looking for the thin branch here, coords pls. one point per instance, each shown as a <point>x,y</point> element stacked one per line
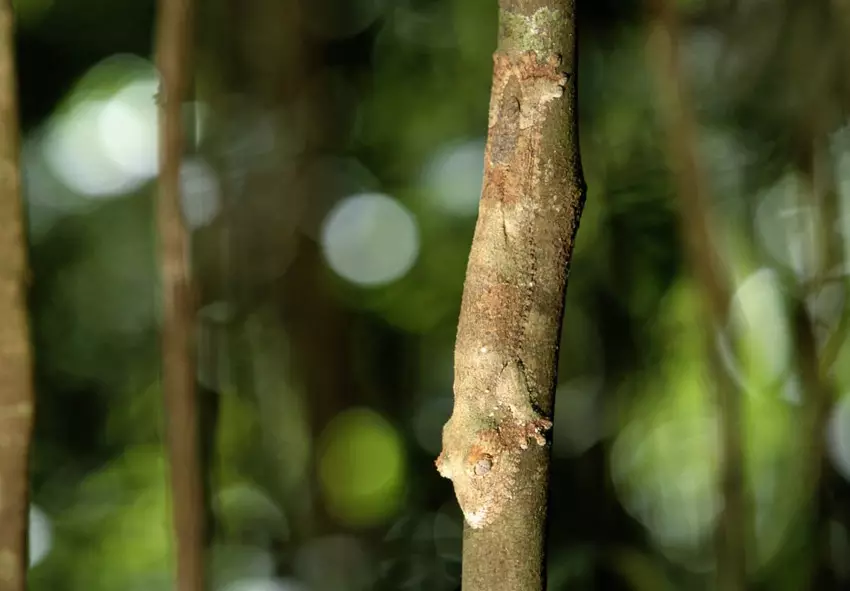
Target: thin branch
<point>174,37</point>
<point>815,363</point>
<point>494,445</point>
<point>16,380</point>
<point>695,218</point>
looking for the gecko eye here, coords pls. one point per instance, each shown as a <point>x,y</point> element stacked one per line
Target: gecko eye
<point>483,465</point>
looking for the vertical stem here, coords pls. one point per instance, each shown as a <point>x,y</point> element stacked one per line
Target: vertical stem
<point>494,445</point>
<point>814,363</point>
<point>16,381</point>
<point>695,218</point>
<point>174,37</point>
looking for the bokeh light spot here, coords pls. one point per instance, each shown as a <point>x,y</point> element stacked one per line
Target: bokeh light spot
<point>788,229</point>
<point>75,151</point>
<point>361,467</point>
<point>128,130</point>
<point>201,197</point>
<point>665,472</point>
<point>454,177</point>
<point>838,437</point>
<point>40,535</point>
<point>370,239</point>
<point>759,321</point>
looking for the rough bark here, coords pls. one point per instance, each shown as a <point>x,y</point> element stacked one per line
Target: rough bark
<point>16,382</point>
<point>495,447</point>
<point>733,525</point>
<point>174,36</point>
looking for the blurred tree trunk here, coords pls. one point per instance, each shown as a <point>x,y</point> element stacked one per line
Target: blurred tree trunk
<point>174,40</point>
<point>494,445</point>
<point>16,381</point>
<point>695,218</point>
<point>260,53</point>
<point>815,363</point>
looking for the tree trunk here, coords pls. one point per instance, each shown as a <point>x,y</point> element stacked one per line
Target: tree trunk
<point>178,338</point>
<point>495,448</point>
<point>16,381</point>
<point>733,526</point>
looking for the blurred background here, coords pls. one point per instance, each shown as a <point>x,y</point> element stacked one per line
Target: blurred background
<point>336,155</point>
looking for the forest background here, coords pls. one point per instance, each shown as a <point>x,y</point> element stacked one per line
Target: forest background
<point>332,190</point>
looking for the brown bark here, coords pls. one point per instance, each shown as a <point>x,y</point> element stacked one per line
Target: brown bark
<point>174,37</point>
<point>16,381</point>
<point>695,218</point>
<point>495,449</point>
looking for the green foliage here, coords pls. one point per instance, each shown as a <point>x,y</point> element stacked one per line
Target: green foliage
<point>299,459</point>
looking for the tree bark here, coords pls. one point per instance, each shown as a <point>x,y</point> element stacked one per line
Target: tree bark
<point>733,526</point>
<point>16,380</point>
<point>174,39</point>
<point>495,448</point>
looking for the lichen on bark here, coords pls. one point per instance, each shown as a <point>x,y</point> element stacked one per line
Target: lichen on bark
<point>540,31</point>
<point>495,449</point>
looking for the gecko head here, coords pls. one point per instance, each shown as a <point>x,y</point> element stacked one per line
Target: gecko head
<point>482,479</point>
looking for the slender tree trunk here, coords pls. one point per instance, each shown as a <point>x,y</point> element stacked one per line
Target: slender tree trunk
<point>494,445</point>
<point>175,34</point>
<point>695,217</point>
<point>16,382</point>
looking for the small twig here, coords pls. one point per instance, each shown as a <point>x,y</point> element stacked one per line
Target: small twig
<point>16,380</point>
<point>174,37</point>
<point>695,219</point>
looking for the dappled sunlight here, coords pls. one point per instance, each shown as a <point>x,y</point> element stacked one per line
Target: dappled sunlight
<point>668,470</point>
<point>665,458</point>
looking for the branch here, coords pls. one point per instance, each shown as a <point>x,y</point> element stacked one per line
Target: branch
<point>174,35</point>
<point>695,219</point>
<point>16,381</point>
<point>494,445</point>
<point>814,364</point>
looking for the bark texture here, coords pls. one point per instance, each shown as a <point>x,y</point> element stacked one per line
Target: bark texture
<point>16,382</point>
<point>495,447</point>
<point>174,39</point>
<point>733,525</point>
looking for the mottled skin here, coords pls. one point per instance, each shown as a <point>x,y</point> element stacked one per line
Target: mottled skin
<point>486,473</point>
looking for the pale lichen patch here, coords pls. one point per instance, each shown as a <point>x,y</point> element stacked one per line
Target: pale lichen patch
<point>541,31</point>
